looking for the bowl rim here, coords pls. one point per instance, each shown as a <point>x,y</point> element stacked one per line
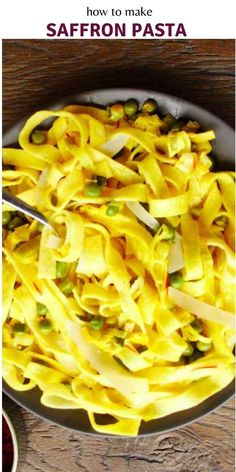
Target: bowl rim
<point>187,422</point>
<point>98,97</point>
<point>14,440</point>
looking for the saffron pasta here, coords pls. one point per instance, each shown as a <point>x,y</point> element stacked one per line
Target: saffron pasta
<point>127,309</point>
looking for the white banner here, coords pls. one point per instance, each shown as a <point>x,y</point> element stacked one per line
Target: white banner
<point>101,19</point>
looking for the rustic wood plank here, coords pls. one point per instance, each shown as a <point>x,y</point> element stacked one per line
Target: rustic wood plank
<point>36,72</point>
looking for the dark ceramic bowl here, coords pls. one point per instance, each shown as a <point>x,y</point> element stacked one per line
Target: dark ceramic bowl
<point>223,150</point>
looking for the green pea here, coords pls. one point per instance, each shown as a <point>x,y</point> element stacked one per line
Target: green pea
<point>112,210</point>
<point>15,222</point>
<point>203,347</point>
<point>45,326</point>
<point>61,269</point>
<point>197,325</point>
<point>39,227</point>
<point>101,181</point>
<point>41,309</point>
<point>189,350</point>
<point>149,106</point>
<point>177,124</point>
<point>96,323</point>
<point>176,279</point>
<point>66,286</point>
<point>117,112</point>
<point>19,327</point>
<point>168,232</point>
<point>6,217</point>
<point>221,221</point>
<point>38,137</point>
<point>92,190</point>
<point>131,107</point>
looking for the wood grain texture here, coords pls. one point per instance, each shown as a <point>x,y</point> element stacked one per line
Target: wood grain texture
<point>36,72</point>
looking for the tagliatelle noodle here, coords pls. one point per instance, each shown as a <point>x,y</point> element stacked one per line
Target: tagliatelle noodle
<point>119,335</point>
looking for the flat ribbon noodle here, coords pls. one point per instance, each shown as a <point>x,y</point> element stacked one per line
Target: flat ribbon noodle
<point>90,315</point>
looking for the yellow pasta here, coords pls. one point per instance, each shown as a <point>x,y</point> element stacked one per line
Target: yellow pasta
<point>94,314</point>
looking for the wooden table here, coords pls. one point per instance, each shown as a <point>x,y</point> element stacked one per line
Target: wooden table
<point>38,71</point>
